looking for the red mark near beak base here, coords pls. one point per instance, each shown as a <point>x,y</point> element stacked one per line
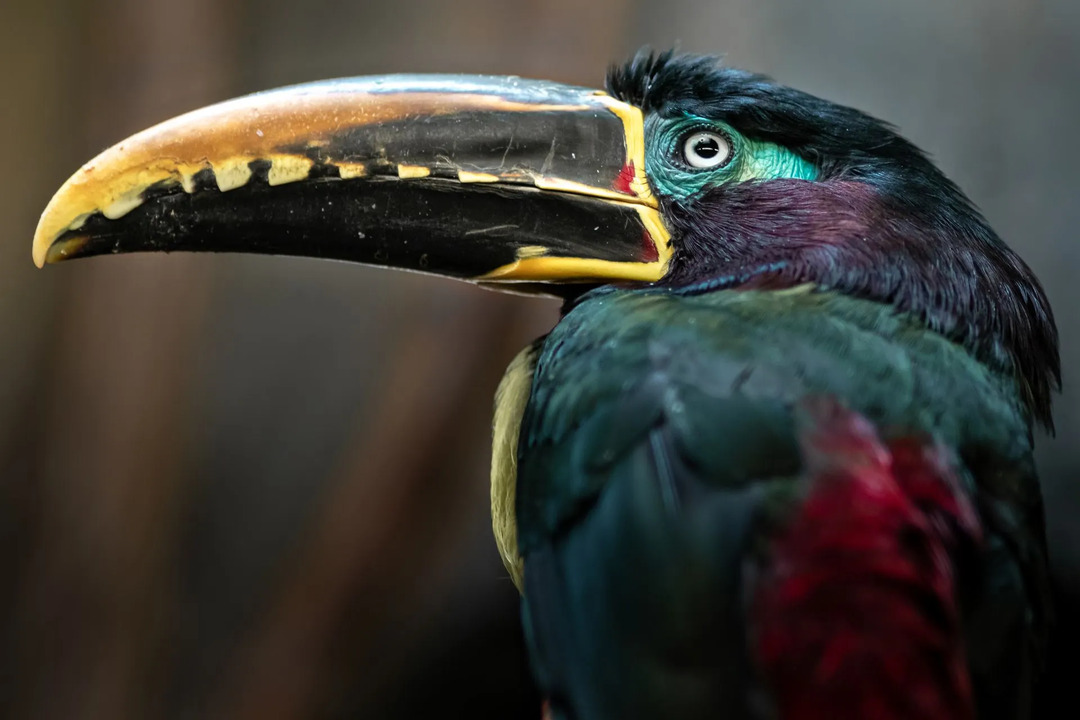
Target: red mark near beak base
<point>626,176</point>
<point>650,253</point>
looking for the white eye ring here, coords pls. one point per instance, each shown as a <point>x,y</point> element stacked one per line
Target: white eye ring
<point>706,150</point>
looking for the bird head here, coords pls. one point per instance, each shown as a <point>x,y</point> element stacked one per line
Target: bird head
<point>686,176</point>
<point>766,186</point>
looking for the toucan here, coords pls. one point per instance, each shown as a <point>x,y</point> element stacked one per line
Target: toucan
<point>775,458</point>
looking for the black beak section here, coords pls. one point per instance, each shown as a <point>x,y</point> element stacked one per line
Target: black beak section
<point>493,179</point>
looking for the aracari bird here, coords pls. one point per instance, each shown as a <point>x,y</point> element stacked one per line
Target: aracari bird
<point>775,459</point>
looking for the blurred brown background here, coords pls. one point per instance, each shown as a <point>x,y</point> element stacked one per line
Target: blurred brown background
<point>242,487</point>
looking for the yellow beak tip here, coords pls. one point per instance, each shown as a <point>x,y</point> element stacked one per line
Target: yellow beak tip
<point>41,251</point>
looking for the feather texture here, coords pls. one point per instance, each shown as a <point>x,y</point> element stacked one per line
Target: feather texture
<point>660,464</point>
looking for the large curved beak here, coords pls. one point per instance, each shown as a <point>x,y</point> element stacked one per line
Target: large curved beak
<point>493,179</point>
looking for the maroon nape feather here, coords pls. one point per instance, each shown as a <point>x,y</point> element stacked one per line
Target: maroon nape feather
<point>946,269</point>
<point>856,616</point>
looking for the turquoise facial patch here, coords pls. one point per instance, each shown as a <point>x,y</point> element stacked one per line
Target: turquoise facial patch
<point>751,160</point>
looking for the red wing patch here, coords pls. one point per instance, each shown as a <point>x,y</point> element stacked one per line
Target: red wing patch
<point>856,616</point>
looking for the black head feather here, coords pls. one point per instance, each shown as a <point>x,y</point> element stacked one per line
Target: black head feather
<point>881,221</point>
<point>836,138</point>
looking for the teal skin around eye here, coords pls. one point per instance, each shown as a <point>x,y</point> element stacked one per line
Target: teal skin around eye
<point>752,160</point>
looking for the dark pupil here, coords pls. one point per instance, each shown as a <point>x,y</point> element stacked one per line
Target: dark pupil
<point>707,147</point>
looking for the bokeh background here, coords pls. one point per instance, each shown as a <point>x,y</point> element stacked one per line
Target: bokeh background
<point>244,487</point>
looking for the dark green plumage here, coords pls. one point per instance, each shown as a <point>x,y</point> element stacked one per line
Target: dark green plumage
<point>658,452</point>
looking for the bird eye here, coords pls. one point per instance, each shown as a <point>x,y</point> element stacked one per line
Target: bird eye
<point>706,150</point>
